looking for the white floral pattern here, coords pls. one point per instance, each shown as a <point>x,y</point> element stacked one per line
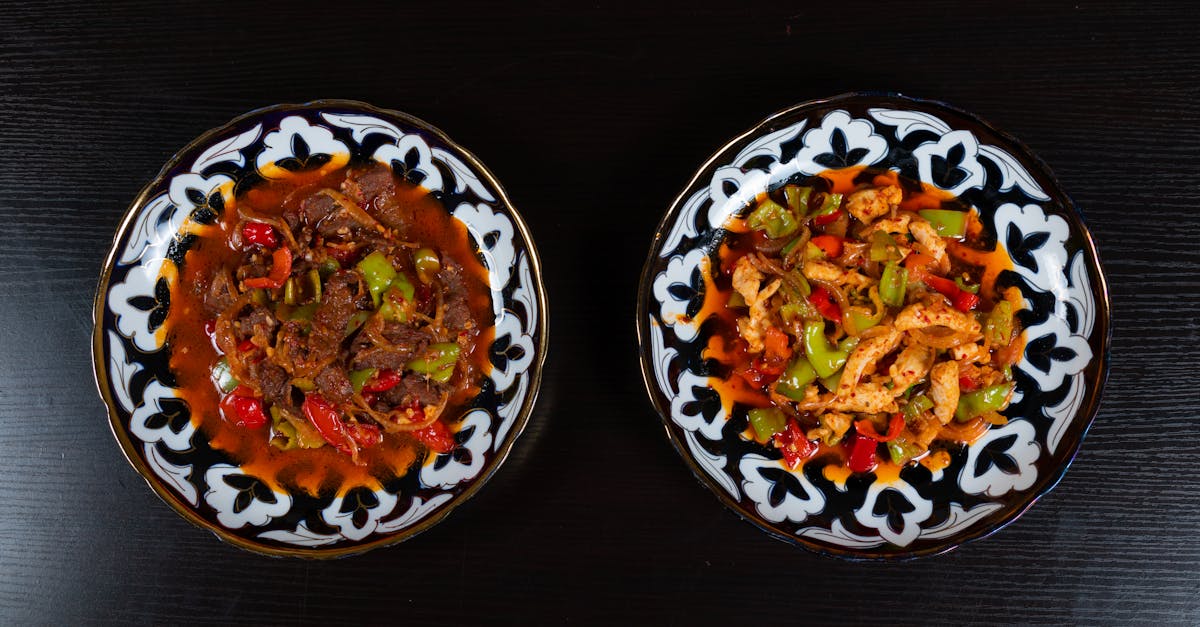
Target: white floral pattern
<point>997,474</point>
<point>145,254</point>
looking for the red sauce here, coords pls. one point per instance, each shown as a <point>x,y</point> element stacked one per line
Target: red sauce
<point>320,470</point>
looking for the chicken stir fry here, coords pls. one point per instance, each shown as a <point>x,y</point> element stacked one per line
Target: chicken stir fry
<point>859,327</point>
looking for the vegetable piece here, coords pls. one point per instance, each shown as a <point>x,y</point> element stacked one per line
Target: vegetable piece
<point>824,358</point>
<point>867,428</point>
<point>998,327</point>
<point>884,247</point>
<point>260,233</point>
<point>821,299</point>
<point>426,261</point>
<point>917,405</point>
<point>766,422</point>
<point>773,219</point>
<point>436,437</point>
<point>356,321</point>
<point>281,267</point>
<point>288,433</point>
<point>314,285</point>
<point>964,286</point>
<point>378,271</point>
<point>831,245</point>
<point>893,284</point>
<point>223,376</point>
<point>329,424</point>
<point>796,198</point>
<point>831,382</point>
<point>358,378</point>
<point>304,384</point>
<point>962,300</point>
<point>365,435</point>
<point>383,381</point>
<point>736,299</point>
<point>241,408</point>
<point>290,291</point>
<point>828,218</point>
<point>862,453</point>
<point>798,375</point>
<point>992,398</point>
<point>861,316</point>
<point>947,222</point>
<point>795,447</point>
<point>901,450</point>
<point>398,299</point>
<point>303,312</point>
<point>438,361</point>
<point>328,267</point>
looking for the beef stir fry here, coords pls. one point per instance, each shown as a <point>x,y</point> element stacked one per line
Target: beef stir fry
<point>336,325</point>
<point>865,324</point>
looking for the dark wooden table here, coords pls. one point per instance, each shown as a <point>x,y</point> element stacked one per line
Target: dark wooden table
<point>594,117</point>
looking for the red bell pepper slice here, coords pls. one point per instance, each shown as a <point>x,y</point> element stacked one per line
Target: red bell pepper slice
<point>754,375</point>
<point>328,423</point>
<point>241,408</point>
<point>383,381</point>
<point>862,454</point>
<point>828,218</point>
<point>436,437</point>
<point>260,233</point>
<point>281,268</point>
<point>962,300</point>
<point>795,447</point>
<point>967,384</point>
<point>823,301</point>
<point>831,245</point>
<point>867,428</point>
<point>365,435</point>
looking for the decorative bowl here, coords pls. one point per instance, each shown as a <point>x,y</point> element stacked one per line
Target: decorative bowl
<point>1059,377</point>
<point>131,354</point>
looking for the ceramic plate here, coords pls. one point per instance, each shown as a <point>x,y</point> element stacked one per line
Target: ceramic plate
<point>1059,377</point>
<point>155,428</point>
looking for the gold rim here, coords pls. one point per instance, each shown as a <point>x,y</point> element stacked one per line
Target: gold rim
<point>100,370</point>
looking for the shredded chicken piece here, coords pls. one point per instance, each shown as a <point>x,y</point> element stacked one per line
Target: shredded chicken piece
<point>865,398</point>
<point>930,243</point>
<point>974,353</point>
<point>943,390</point>
<point>820,270</point>
<point>895,226</point>
<point>938,314</point>
<point>868,204</point>
<point>834,426</point>
<point>865,355</point>
<point>746,280</point>
<point>910,366</point>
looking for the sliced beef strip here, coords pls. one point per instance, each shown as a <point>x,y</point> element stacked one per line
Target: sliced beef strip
<point>257,321</point>
<point>329,321</point>
<point>273,381</point>
<point>373,187</point>
<point>383,357</point>
<point>334,385</point>
<point>454,295</point>
<point>220,294</point>
<point>412,387</point>
<point>327,217</point>
<point>402,334</point>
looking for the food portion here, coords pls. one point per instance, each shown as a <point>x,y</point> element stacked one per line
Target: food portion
<point>344,316</point>
<point>858,322</point>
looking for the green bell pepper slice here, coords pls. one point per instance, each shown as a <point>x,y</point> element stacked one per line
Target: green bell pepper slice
<point>901,450</point>
<point>378,271</point>
<point>766,422</point>
<point>427,263</point>
<point>358,378</point>
<point>796,198</point>
<point>825,359</point>
<point>772,218</point>
<point>992,398</point>
<point>947,222</point>
<point>884,247</point>
<point>998,326</point>
<point>915,406</point>
<point>893,284</point>
<point>795,378</point>
<point>223,376</point>
<point>438,362</point>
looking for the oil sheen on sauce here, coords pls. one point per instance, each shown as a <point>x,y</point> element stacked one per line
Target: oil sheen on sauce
<point>322,470</point>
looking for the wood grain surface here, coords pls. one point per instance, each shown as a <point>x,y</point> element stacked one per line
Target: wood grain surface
<point>594,116</point>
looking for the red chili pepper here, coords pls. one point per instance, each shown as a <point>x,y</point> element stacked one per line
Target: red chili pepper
<point>794,446</point>
<point>329,424</point>
<point>867,428</point>
<point>830,244</point>
<point>823,301</point>
<point>241,408</point>
<point>754,375</point>
<point>828,218</point>
<point>436,437</point>
<point>364,435</point>
<point>383,381</point>
<point>260,233</point>
<point>246,346</point>
<point>967,384</point>
<point>281,268</point>
<point>862,454</point>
